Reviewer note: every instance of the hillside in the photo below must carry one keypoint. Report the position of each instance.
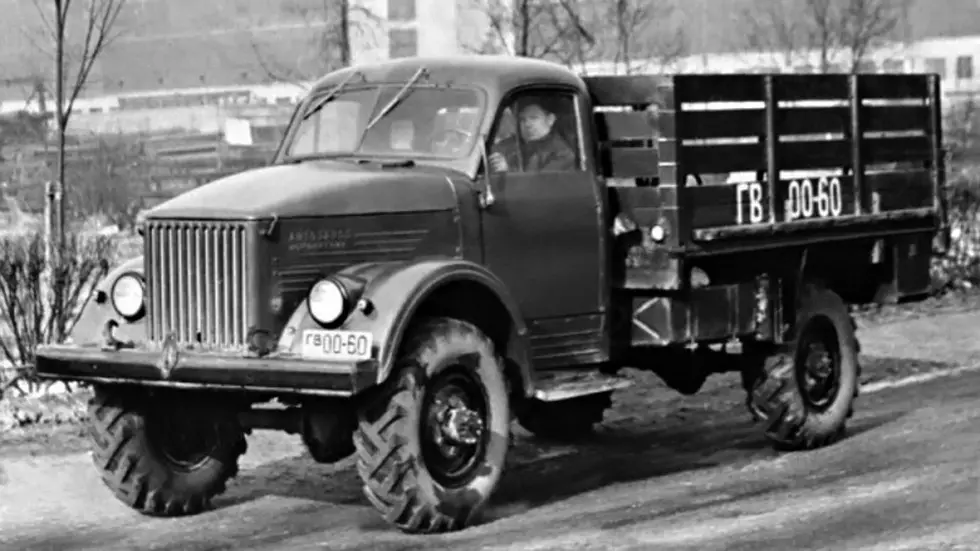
(186, 43)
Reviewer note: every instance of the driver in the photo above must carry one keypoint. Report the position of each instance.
(544, 149)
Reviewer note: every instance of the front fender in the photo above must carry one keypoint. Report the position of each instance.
(395, 291)
(98, 311)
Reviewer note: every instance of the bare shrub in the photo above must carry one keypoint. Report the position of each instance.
(33, 313)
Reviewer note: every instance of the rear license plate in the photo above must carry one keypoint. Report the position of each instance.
(321, 344)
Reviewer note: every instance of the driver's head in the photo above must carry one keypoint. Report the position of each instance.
(402, 134)
(535, 121)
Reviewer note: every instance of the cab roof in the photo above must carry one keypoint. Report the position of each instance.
(491, 72)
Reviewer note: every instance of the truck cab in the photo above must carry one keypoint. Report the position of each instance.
(443, 245)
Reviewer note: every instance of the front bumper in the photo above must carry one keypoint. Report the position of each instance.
(195, 369)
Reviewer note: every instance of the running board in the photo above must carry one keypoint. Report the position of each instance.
(567, 385)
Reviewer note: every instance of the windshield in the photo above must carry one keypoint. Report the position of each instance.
(427, 122)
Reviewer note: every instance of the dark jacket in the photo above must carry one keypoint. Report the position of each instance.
(550, 153)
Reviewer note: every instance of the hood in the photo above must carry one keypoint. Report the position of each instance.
(313, 188)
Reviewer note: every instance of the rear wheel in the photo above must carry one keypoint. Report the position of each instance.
(807, 390)
(432, 440)
(163, 457)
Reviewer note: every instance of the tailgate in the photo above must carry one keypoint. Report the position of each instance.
(854, 153)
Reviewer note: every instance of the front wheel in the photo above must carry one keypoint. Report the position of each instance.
(806, 392)
(431, 441)
(163, 456)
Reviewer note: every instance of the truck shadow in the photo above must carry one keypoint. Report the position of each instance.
(539, 473)
(625, 454)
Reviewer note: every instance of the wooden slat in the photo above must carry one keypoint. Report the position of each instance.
(668, 175)
(718, 206)
(667, 148)
(896, 150)
(720, 124)
(799, 120)
(818, 120)
(630, 162)
(810, 87)
(644, 205)
(893, 86)
(814, 154)
(623, 126)
(893, 118)
(608, 90)
(803, 155)
(714, 159)
(812, 120)
(902, 190)
(716, 88)
(667, 123)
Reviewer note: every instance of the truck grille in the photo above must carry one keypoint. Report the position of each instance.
(198, 282)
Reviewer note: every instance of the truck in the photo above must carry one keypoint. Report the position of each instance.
(442, 246)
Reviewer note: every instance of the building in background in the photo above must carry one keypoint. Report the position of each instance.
(167, 44)
(196, 60)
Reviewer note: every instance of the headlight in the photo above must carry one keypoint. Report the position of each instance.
(327, 302)
(127, 296)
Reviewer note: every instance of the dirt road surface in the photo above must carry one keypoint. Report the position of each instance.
(665, 472)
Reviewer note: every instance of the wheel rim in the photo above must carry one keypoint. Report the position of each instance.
(818, 363)
(184, 441)
(454, 427)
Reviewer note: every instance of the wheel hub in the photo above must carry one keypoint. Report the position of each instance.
(458, 424)
(819, 368)
(454, 427)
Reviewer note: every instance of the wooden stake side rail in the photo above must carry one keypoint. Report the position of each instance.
(849, 148)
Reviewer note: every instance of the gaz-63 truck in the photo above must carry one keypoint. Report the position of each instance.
(441, 246)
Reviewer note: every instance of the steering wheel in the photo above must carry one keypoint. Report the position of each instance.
(442, 140)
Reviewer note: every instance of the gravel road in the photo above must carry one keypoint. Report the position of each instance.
(666, 472)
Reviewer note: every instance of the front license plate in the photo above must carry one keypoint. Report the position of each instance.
(322, 344)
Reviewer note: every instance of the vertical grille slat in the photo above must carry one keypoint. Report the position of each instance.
(199, 294)
(172, 275)
(212, 293)
(197, 278)
(236, 287)
(180, 252)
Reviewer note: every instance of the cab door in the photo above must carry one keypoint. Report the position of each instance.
(545, 238)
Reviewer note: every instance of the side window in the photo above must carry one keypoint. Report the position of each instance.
(537, 132)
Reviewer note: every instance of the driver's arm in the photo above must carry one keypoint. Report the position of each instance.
(507, 148)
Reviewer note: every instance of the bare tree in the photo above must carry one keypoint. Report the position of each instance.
(834, 31)
(644, 32)
(543, 29)
(868, 24)
(629, 33)
(79, 31)
(333, 26)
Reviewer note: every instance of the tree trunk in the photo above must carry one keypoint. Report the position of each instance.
(525, 26)
(54, 207)
(345, 49)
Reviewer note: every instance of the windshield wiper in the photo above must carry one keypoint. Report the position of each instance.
(395, 100)
(330, 95)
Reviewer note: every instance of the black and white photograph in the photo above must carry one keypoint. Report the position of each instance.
(502, 275)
